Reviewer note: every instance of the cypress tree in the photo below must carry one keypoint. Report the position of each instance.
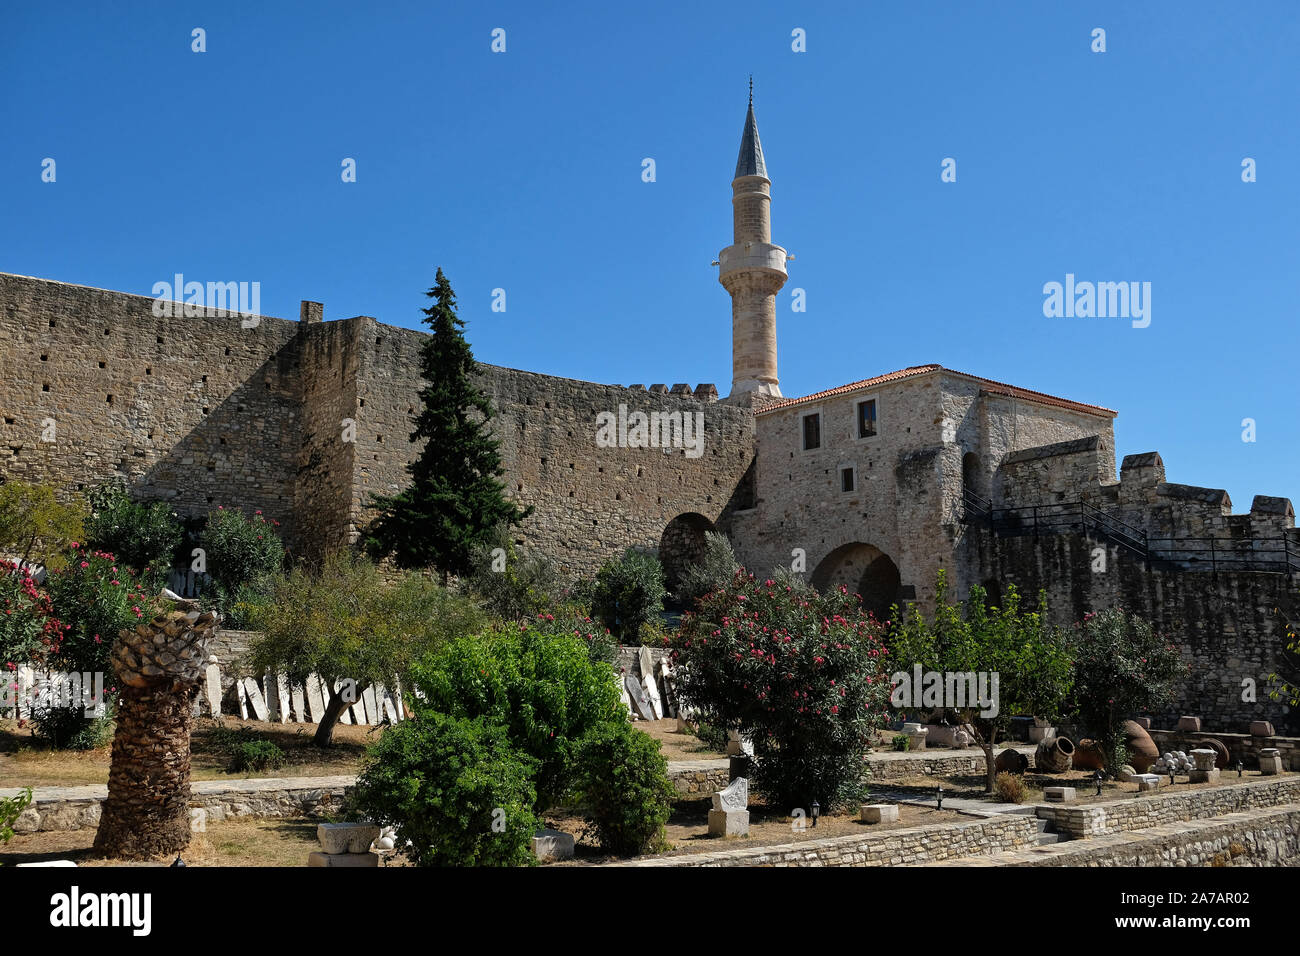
(455, 498)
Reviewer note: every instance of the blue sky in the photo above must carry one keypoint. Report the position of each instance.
(522, 170)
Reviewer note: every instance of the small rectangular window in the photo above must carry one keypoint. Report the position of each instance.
(812, 432)
(846, 479)
(867, 418)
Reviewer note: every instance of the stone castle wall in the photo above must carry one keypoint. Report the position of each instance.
(198, 412)
(307, 420)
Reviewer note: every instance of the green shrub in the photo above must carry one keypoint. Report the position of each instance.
(1010, 788)
(11, 809)
(628, 593)
(902, 742)
(511, 585)
(715, 738)
(254, 755)
(800, 673)
(455, 788)
(715, 570)
(68, 728)
(1121, 666)
(35, 525)
(239, 549)
(624, 786)
(143, 536)
(544, 688)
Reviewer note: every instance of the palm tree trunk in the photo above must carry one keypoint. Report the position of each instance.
(147, 812)
(159, 666)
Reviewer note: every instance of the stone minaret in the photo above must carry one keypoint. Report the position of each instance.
(752, 269)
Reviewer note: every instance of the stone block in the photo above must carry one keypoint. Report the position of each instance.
(725, 823)
(1261, 728)
(342, 859)
(1189, 725)
(1204, 758)
(549, 845)
(1059, 794)
(879, 813)
(1147, 781)
(1204, 776)
(346, 837)
(1143, 722)
(48, 863)
(1270, 761)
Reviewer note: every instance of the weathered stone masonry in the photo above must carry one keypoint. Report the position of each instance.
(306, 420)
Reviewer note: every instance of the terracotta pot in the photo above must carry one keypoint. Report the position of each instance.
(1054, 755)
(1142, 749)
(1220, 751)
(1088, 756)
(1011, 761)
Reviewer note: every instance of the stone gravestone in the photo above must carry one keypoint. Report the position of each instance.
(314, 701)
(282, 695)
(652, 694)
(241, 696)
(666, 681)
(255, 698)
(373, 716)
(297, 698)
(640, 702)
(730, 813)
(212, 686)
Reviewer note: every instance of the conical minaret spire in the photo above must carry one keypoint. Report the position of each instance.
(752, 269)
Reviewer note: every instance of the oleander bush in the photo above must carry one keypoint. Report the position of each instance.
(802, 674)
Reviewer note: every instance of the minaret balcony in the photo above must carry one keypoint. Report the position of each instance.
(752, 257)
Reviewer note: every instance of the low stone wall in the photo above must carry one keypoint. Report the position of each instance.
(230, 648)
(935, 844)
(698, 778)
(924, 763)
(1139, 813)
(628, 660)
(1250, 838)
(78, 808)
(1240, 746)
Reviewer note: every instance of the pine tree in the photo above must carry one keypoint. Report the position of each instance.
(455, 498)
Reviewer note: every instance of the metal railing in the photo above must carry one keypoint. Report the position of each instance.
(1274, 554)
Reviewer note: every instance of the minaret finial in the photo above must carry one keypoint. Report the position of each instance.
(751, 89)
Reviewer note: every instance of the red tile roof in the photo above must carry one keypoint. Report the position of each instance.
(990, 386)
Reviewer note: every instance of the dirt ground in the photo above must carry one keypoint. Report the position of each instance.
(971, 786)
(687, 830)
(245, 842)
(26, 761)
(674, 745)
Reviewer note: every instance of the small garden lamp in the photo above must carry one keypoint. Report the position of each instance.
(1171, 776)
(1097, 777)
(1240, 768)
(938, 797)
(816, 811)
(176, 862)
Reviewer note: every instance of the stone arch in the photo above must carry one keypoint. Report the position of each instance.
(864, 569)
(681, 545)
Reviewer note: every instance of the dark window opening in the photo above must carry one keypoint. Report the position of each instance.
(867, 418)
(846, 479)
(812, 432)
